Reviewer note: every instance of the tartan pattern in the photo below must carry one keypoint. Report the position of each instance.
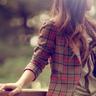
(65, 65)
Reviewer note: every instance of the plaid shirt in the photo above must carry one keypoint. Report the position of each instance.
(65, 65)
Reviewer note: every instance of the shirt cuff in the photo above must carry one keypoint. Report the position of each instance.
(34, 68)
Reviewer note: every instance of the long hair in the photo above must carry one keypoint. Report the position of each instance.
(70, 18)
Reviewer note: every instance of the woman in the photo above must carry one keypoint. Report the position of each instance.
(63, 41)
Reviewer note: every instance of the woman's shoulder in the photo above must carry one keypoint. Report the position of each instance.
(49, 24)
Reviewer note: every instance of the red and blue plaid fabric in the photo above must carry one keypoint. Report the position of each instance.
(65, 65)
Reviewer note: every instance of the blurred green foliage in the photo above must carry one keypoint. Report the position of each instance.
(16, 30)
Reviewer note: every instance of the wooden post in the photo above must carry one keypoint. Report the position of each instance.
(28, 92)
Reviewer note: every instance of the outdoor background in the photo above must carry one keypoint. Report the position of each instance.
(20, 21)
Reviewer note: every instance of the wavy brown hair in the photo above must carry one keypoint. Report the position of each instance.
(70, 18)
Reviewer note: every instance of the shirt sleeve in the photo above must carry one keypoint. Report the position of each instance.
(44, 49)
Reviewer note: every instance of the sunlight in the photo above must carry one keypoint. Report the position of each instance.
(33, 41)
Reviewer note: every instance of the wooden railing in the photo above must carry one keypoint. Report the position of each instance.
(28, 92)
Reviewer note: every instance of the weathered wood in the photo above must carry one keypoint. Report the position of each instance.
(28, 92)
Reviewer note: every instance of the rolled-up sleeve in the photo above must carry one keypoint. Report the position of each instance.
(44, 49)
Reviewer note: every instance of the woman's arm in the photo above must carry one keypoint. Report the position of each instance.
(14, 88)
(26, 78)
(42, 52)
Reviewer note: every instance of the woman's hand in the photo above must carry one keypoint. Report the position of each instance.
(13, 88)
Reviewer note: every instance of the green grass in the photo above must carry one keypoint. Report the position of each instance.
(12, 69)
(16, 59)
